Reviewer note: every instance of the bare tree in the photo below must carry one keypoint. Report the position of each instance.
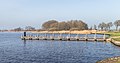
(78, 24)
(102, 26)
(73, 24)
(63, 26)
(18, 29)
(48, 24)
(54, 25)
(29, 28)
(109, 25)
(117, 24)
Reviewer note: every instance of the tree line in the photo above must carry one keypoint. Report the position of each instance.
(79, 25)
(72, 25)
(65, 25)
(27, 28)
(107, 26)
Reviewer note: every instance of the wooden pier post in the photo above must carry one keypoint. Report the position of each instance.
(95, 37)
(86, 37)
(45, 37)
(77, 37)
(69, 36)
(60, 37)
(104, 37)
(52, 37)
(37, 37)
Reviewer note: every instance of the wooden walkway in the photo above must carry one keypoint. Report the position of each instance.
(62, 38)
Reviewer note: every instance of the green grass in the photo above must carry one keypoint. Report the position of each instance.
(116, 39)
(113, 34)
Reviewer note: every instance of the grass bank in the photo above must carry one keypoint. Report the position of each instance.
(114, 35)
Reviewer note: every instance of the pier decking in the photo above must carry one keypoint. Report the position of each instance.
(63, 38)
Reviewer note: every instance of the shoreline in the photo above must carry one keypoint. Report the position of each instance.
(112, 59)
(65, 31)
(110, 39)
(72, 32)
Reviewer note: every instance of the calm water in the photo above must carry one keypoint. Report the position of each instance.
(15, 50)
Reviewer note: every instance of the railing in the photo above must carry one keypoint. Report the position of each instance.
(67, 38)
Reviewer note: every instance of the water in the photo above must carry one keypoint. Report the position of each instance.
(15, 50)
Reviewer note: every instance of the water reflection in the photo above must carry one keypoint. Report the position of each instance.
(24, 42)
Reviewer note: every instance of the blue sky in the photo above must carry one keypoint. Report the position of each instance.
(21, 13)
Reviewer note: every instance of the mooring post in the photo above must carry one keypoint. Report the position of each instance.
(45, 37)
(37, 36)
(95, 37)
(104, 37)
(52, 37)
(60, 37)
(24, 34)
(86, 37)
(69, 35)
(77, 37)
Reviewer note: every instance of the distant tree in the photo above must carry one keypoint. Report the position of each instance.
(70, 24)
(105, 26)
(63, 26)
(109, 25)
(48, 24)
(102, 26)
(90, 28)
(73, 24)
(117, 24)
(18, 29)
(29, 28)
(54, 25)
(77, 24)
(83, 25)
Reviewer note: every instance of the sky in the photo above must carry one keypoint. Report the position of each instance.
(21, 13)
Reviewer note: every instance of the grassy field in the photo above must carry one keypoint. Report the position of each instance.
(114, 35)
(116, 39)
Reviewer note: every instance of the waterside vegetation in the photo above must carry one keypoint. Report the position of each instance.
(75, 27)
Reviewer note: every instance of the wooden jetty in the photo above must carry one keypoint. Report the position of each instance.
(63, 38)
